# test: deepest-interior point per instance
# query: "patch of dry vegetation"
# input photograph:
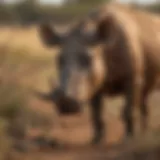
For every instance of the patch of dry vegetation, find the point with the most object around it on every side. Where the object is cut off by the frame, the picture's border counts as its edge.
(25, 38)
(24, 64)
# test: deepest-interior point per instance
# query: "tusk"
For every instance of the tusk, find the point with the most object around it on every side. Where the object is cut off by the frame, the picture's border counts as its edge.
(44, 96)
(51, 96)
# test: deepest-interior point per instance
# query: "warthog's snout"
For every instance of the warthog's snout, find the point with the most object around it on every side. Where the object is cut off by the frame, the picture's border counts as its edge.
(65, 105)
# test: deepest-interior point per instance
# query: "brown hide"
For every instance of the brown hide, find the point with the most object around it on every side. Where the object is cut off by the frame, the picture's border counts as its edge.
(136, 52)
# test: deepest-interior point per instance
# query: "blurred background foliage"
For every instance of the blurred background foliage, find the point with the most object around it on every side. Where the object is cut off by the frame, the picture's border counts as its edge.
(31, 11)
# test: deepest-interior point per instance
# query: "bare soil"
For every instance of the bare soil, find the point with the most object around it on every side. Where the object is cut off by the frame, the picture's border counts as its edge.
(75, 132)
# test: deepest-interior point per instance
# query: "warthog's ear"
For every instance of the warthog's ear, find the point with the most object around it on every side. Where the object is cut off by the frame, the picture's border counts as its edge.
(100, 30)
(43, 96)
(106, 28)
(49, 35)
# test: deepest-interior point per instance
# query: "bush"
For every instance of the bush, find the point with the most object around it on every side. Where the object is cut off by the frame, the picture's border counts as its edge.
(5, 142)
(13, 96)
(17, 65)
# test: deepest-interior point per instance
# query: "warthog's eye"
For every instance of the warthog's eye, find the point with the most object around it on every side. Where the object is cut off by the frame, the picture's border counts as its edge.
(84, 60)
(61, 61)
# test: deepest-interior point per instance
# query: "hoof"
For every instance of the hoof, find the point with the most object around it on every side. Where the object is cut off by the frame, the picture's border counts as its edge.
(126, 140)
(47, 143)
(96, 141)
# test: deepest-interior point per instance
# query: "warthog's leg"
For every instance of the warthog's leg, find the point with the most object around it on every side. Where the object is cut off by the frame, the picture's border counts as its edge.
(96, 107)
(144, 113)
(127, 115)
(144, 107)
(134, 97)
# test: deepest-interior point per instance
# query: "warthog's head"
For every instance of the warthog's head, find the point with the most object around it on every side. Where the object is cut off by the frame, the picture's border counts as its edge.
(81, 57)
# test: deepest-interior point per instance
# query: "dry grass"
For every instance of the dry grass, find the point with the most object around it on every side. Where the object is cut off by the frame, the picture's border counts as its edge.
(24, 64)
(22, 38)
(23, 45)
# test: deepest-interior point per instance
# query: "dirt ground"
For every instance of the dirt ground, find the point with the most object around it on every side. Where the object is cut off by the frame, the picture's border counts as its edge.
(75, 133)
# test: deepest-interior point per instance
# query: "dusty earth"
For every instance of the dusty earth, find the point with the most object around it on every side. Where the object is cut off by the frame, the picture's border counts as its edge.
(75, 132)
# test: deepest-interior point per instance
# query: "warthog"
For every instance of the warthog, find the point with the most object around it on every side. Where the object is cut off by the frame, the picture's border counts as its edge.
(115, 50)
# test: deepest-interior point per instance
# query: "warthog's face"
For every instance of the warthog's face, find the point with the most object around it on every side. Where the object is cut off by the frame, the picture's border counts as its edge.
(80, 60)
(75, 64)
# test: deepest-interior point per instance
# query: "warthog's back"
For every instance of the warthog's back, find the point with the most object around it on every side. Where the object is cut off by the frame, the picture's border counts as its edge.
(149, 29)
(142, 26)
